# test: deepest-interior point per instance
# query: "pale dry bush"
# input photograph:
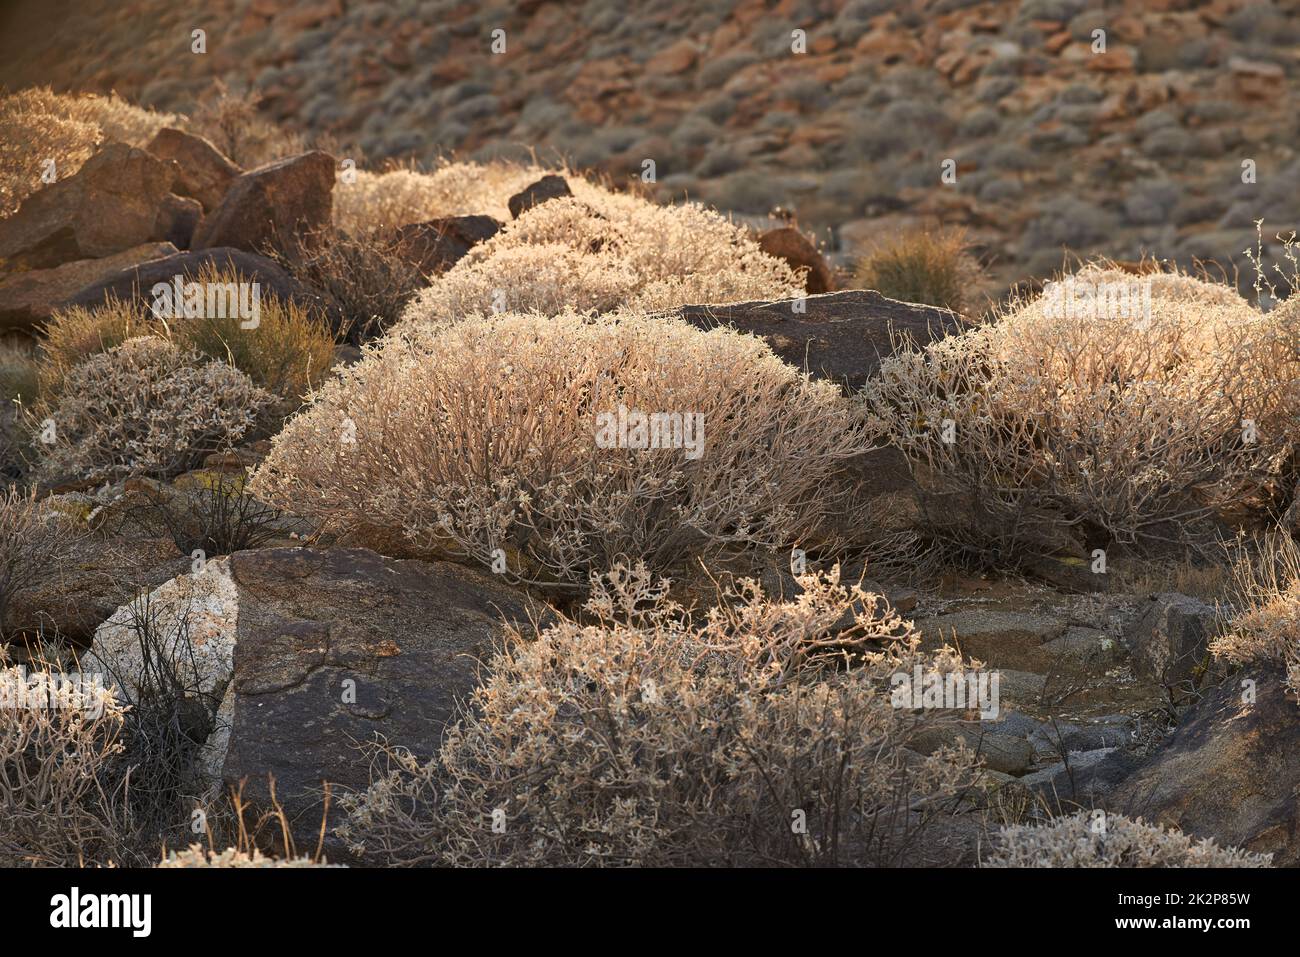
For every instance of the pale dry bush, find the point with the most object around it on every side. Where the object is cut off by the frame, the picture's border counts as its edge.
(197, 856)
(146, 407)
(55, 809)
(1079, 841)
(481, 435)
(73, 335)
(35, 541)
(37, 125)
(602, 250)
(641, 735)
(377, 203)
(1265, 624)
(1108, 429)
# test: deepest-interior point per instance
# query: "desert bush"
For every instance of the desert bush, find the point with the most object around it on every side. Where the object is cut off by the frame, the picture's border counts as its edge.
(935, 268)
(73, 335)
(232, 121)
(1061, 419)
(1094, 839)
(643, 735)
(482, 435)
(288, 352)
(1265, 623)
(197, 856)
(377, 203)
(54, 807)
(145, 407)
(367, 276)
(217, 517)
(37, 125)
(34, 542)
(19, 373)
(600, 250)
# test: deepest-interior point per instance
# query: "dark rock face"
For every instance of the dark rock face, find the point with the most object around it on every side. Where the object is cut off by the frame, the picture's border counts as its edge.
(1230, 771)
(136, 282)
(202, 171)
(115, 201)
(841, 336)
(97, 579)
(178, 218)
(1171, 638)
(795, 248)
(549, 186)
(439, 244)
(278, 206)
(32, 296)
(336, 646)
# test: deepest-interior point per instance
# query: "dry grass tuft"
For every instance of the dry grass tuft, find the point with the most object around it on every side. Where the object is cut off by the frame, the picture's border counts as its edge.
(935, 268)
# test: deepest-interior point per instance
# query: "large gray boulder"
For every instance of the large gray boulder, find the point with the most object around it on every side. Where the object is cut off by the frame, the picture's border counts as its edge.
(335, 647)
(1170, 640)
(1230, 771)
(841, 336)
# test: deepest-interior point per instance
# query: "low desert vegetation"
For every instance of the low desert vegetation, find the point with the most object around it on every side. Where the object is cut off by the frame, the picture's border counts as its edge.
(288, 352)
(37, 125)
(641, 735)
(145, 407)
(1064, 424)
(482, 438)
(601, 250)
(73, 335)
(934, 267)
(1265, 622)
(1094, 839)
(34, 541)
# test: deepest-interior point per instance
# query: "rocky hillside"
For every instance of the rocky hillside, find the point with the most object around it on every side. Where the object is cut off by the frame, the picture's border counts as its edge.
(1055, 144)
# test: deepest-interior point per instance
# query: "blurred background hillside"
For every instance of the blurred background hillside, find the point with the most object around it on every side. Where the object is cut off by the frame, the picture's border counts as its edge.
(1138, 149)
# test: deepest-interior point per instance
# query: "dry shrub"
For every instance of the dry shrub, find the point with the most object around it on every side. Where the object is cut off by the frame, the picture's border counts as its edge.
(38, 125)
(146, 407)
(34, 543)
(197, 856)
(1094, 839)
(73, 335)
(481, 436)
(233, 123)
(1265, 626)
(601, 250)
(289, 352)
(55, 809)
(935, 268)
(1098, 429)
(645, 736)
(378, 203)
(368, 277)
(19, 373)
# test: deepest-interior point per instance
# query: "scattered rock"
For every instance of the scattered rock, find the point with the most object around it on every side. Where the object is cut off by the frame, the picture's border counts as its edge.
(1084, 781)
(32, 296)
(1230, 770)
(178, 218)
(550, 186)
(336, 646)
(439, 244)
(1002, 639)
(203, 172)
(136, 282)
(790, 244)
(1170, 640)
(841, 336)
(114, 202)
(278, 206)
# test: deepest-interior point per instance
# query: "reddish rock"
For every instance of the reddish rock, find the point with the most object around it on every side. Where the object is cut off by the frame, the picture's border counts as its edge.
(275, 206)
(548, 187)
(439, 244)
(795, 248)
(202, 171)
